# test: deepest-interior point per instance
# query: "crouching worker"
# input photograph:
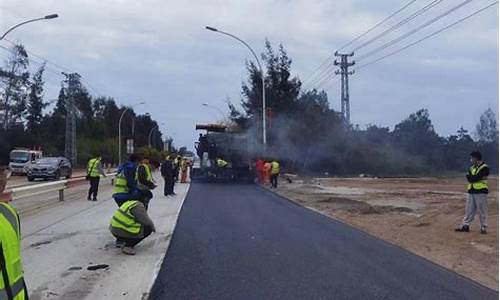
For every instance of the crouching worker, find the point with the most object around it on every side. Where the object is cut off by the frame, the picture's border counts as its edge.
(130, 225)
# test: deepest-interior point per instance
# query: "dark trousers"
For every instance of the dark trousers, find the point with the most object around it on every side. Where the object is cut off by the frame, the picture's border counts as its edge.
(94, 187)
(274, 180)
(168, 188)
(131, 242)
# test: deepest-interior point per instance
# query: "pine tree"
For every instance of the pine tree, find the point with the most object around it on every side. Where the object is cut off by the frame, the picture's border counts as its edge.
(35, 101)
(14, 82)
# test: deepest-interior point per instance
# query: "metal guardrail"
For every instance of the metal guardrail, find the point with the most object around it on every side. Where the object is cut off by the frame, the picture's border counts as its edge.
(43, 188)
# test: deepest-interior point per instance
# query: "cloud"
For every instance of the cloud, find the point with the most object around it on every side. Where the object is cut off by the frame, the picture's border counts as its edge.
(159, 52)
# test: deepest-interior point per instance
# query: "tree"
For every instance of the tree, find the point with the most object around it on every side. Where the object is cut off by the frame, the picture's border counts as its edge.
(14, 81)
(35, 101)
(487, 128)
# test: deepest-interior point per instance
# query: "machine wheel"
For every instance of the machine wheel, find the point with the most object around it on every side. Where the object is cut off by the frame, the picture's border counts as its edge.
(31, 178)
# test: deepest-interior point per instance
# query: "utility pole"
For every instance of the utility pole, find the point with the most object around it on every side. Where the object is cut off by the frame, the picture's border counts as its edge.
(344, 83)
(73, 81)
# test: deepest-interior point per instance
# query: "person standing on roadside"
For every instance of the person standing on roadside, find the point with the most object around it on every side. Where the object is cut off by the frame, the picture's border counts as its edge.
(12, 285)
(275, 172)
(145, 182)
(267, 172)
(94, 172)
(477, 193)
(167, 172)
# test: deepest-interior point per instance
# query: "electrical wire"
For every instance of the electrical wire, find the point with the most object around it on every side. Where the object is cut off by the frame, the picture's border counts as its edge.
(48, 62)
(428, 36)
(413, 31)
(400, 23)
(378, 24)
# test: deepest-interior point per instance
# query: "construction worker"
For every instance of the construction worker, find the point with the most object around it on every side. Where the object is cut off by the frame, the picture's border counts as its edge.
(477, 193)
(12, 286)
(177, 165)
(125, 185)
(259, 167)
(167, 172)
(184, 170)
(145, 182)
(275, 172)
(267, 172)
(131, 224)
(94, 172)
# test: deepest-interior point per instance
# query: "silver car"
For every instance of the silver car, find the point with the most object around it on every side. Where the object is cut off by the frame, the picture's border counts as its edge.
(50, 168)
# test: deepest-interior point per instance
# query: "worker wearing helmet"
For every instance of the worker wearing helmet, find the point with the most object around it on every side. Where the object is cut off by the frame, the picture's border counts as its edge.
(12, 286)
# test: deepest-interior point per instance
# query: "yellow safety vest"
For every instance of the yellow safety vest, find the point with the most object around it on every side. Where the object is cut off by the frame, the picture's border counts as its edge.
(149, 177)
(482, 184)
(120, 184)
(93, 167)
(11, 269)
(124, 220)
(275, 167)
(221, 163)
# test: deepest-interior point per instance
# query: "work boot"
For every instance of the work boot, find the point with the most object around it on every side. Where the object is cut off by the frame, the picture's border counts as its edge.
(95, 199)
(483, 230)
(128, 250)
(464, 228)
(88, 198)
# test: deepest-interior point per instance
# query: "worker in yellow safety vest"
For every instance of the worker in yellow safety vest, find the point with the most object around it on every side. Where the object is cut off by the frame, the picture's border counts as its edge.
(145, 181)
(275, 172)
(131, 224)
(12, 286)
(94, 172)
(477, 193)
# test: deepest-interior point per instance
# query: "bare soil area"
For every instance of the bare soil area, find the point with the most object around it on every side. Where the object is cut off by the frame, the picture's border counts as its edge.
(417, 214)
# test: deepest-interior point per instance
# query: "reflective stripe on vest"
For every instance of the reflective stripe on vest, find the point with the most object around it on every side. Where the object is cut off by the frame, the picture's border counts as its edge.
(120, 184)
(275, 167)
(123, 218)
(93, 167)
(10, 251)
(149, 177)
(480, 185)
(17, 290)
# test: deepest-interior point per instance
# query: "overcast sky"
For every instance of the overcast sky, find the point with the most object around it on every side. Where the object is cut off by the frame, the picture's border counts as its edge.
(160, 53)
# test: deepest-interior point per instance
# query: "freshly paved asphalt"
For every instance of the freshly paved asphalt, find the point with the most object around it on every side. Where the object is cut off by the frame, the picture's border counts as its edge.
(242, 242)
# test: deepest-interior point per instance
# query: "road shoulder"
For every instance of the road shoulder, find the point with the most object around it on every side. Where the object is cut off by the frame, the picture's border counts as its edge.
(57, 256)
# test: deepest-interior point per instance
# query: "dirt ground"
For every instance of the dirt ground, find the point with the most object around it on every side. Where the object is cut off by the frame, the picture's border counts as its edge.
(418, 214)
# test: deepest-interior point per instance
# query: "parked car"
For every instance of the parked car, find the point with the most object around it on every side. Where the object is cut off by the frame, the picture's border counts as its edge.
(50, 167)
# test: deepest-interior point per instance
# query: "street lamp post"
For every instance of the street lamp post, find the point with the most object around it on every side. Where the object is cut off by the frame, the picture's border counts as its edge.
(120, 131)
(264, 134)
(151, 132)
(52, 16)
(217, 109)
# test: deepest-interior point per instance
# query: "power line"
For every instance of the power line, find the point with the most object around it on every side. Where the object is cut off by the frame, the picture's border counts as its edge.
(378, 24)
(429, 35)
(319, 76)
(400, 23)
(58, 66)
(415, 30)
(313, 74)
(315, 77)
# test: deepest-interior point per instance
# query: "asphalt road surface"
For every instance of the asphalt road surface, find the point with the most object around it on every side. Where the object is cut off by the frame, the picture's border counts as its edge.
(243, 242)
